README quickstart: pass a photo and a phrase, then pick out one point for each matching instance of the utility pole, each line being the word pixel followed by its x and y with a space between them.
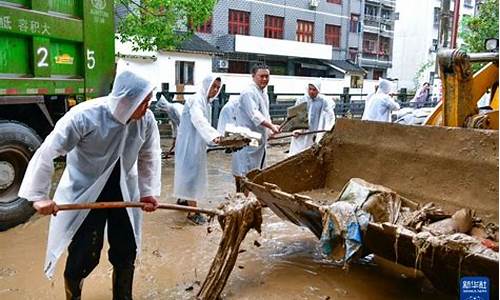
pixel 456 18
pixel 444 27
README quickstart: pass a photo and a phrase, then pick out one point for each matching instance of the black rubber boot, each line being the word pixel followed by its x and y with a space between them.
pixel 122 283
pixel 73 288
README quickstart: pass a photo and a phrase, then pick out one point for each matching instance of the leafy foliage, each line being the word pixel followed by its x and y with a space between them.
pixel 476 29
pixel 161 24
pixel 424 67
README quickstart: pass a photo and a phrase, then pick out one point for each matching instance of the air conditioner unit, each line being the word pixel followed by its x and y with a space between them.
pixel 223 64
pixel 313 4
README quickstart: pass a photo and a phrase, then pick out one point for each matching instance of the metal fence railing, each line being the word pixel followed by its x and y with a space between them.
pixel 344 105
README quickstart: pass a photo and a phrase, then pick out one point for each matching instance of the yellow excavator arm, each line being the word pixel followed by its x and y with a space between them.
pixel 461 90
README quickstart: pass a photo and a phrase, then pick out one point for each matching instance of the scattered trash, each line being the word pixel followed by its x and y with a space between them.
pixel 7 272
pixel 157 253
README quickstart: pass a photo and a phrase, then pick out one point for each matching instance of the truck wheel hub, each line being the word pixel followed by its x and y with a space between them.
pixel 7 175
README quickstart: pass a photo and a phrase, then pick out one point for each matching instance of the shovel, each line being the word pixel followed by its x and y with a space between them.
pixel 300 133
pixel 122 204
pixel 296 118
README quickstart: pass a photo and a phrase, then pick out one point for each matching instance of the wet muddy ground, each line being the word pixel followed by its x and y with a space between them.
pixel 176 255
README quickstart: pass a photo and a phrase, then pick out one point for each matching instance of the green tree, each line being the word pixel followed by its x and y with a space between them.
pixel 161 24
pixel 476 29
pixel 420 72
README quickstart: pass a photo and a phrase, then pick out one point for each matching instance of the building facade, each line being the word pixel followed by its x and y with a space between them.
pixel 333 41
pixel 378 35
pixel 416 40
pixel 294 37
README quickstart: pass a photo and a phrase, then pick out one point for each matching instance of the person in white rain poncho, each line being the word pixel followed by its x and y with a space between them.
pixel 380 105
pixel 368 98
pixel 195 133
pixel 321 116
pixel 252 111
pixel 174 112
pixel 327 119
pixel 112 150
pixel 227 115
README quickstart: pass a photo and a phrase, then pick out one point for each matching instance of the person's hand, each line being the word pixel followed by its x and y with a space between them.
pixel 151 203
pixel 296 133
pixel 217 140
pixel 46 207
pixel 275 129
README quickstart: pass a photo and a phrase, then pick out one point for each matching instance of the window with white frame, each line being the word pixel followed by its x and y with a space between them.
pixel 184 72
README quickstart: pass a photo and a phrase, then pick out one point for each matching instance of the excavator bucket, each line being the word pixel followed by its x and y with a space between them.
pixel 452 167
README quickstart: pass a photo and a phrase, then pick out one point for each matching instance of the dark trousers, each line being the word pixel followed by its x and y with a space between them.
pixel 85 248
pixel 239 184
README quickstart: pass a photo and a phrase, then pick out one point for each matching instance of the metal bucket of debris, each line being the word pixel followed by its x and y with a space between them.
pixel 398 192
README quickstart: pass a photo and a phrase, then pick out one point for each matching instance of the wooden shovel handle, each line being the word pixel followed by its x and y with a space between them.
pixel 122 204
pixel 300 134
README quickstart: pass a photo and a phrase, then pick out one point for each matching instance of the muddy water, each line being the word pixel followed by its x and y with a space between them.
pixel 176 255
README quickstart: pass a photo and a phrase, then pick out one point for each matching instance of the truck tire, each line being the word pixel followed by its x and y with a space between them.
pixel 18 142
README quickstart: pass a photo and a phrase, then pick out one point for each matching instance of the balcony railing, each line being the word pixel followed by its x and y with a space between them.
pixel 370 54
pixel 390 3
pixel 370 29
pixel 374 63
pixel 377 19
pixel 373 23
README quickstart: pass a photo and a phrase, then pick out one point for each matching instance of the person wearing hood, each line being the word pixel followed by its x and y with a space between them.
pixel 195 134
pixel 321 116
pixel 380 105
pixel 174 112
pixel 368 98
pixel 227 115
pixel 252 111
pixel 112 148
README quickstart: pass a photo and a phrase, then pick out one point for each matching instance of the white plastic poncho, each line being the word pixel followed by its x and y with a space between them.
pixel 252 109
pixel 321 116
pixel 173 111
pixel 327 119
pixel 365 111
pixel 381 105
pixel 94 135
pixel 195 133
pixel 227 115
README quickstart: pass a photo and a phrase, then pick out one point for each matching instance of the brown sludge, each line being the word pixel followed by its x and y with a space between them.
pixel 234 141
pixel 240 215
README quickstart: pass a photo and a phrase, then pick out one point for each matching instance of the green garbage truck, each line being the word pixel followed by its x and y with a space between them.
pixel 53 55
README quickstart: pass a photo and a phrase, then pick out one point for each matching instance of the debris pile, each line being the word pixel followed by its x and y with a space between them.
pixel 240 214
pixel 361 202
